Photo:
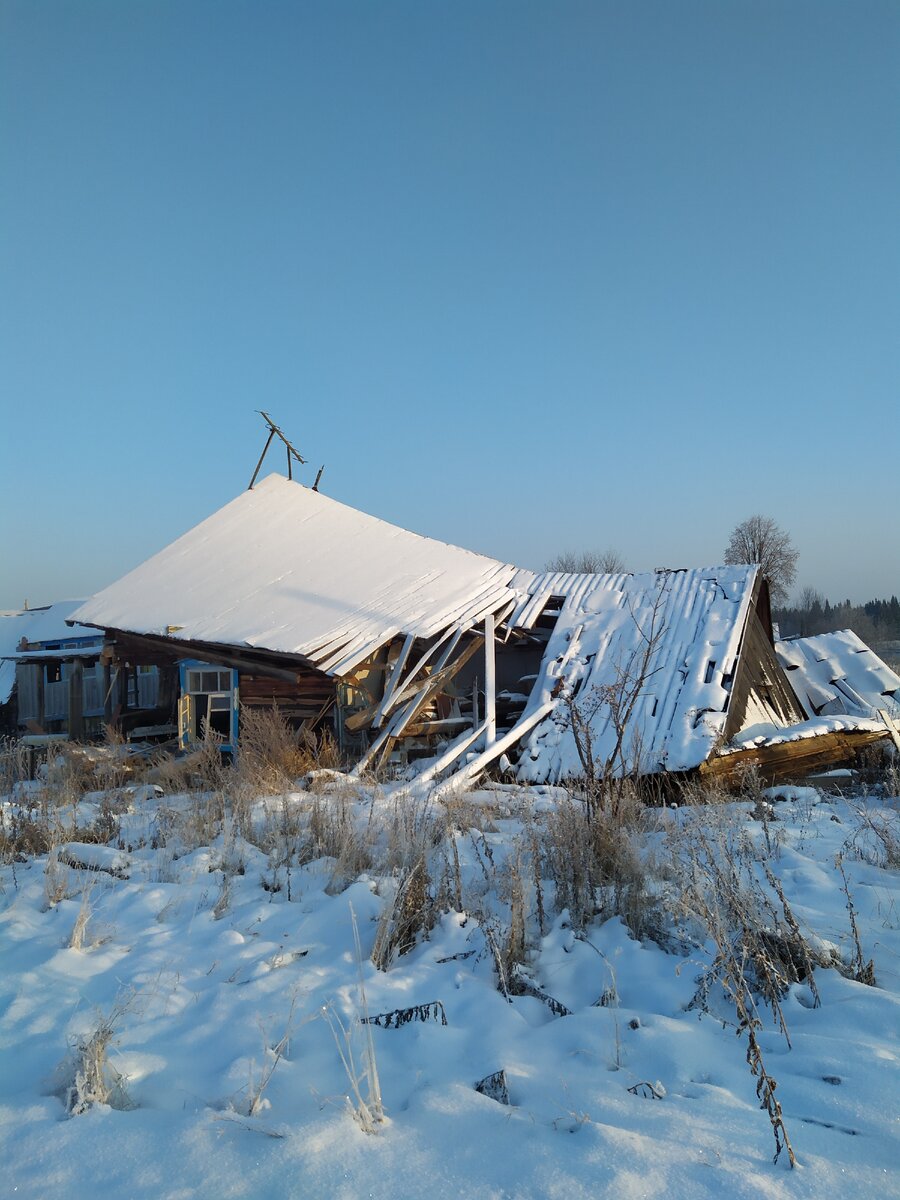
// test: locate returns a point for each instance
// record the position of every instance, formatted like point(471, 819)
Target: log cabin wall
point(305, 700)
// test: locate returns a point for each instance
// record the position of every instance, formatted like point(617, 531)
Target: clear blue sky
point(524, 276)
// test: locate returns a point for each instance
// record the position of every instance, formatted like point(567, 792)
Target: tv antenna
point(292, 452)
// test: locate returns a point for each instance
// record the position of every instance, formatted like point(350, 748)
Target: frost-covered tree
point(760, 540)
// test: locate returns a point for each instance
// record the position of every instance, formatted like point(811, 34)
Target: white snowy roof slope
point(694, 621)
point(287, 569)
point(836, 673)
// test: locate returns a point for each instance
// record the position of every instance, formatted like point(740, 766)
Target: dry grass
point(592, 857)
point(274, 755)
point(876, 838)
point(88, 1078)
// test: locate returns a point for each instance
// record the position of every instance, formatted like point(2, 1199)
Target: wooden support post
point(76, 701)
point(107, 693)
point(490, 683)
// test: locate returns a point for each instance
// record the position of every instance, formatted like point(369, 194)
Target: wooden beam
point(393, 680)
point(465, 774)
point(791, 760)
point(455, 750)
point(400, 697)
point(396, 694)
point(490, 683)
point(142, 648)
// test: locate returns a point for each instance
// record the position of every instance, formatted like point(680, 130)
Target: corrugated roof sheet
point(286, 569)
point(695, 620)
point(838, 673)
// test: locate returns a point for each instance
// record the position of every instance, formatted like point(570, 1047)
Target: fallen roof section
point(651, 660)
point(797, 750)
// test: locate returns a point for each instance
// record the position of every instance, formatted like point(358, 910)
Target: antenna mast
point(292, 453)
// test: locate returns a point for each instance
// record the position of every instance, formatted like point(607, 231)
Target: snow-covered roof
point(688, 624)
point(286, 569)
point(836, 673)
point(36, 625)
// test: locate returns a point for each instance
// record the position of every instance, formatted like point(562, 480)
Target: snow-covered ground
point(224, 971)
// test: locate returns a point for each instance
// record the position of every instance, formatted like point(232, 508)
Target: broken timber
point(783, 761)
point(431, 685)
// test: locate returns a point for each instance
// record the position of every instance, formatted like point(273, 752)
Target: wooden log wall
point(300, 701)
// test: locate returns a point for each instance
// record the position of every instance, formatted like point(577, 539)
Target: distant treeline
point(875, 621)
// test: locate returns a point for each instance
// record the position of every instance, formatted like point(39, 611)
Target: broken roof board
point(286, 569)
point(836, 673)
point(696, 620)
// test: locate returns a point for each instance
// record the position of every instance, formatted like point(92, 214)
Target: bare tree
point(760, 540)
point(588, 562)
point(810, 600)
point(606, 777)
point(810, 608)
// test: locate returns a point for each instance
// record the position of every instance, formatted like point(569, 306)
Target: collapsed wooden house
point(441, 660)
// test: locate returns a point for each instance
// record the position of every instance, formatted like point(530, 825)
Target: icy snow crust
point(838, 673)
point(210, 998)
point(694, 619)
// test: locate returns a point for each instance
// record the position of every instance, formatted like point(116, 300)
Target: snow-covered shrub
point(87, 1077)
point(409, 913)
point(876, 837)
point(364, 1100)
point(56, 880)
